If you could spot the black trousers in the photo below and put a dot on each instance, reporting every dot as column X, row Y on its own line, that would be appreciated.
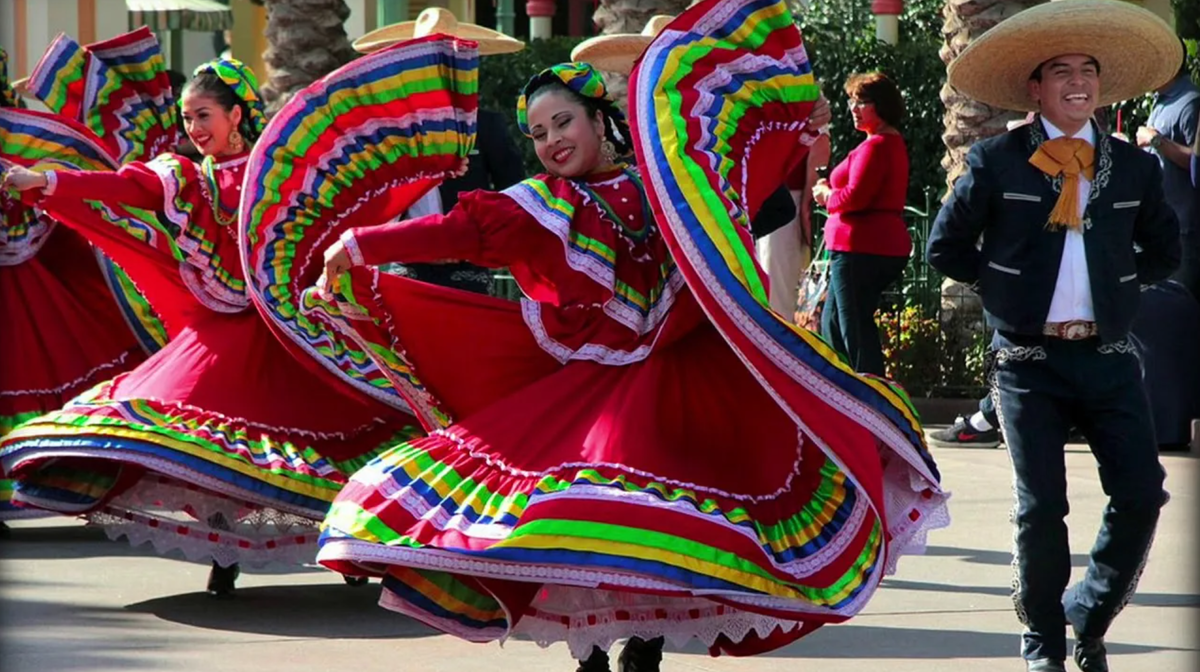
column 856, row 283
column 1188, row 273
column 1043, row 387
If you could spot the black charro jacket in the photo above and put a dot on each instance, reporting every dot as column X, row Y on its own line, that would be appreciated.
column 1131, row 236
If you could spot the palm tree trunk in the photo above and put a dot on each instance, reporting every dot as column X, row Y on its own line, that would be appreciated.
column 967, row 120
column 619, row 17
column 306, row 41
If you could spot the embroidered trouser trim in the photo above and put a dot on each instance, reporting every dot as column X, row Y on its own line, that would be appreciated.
column 1042, row 388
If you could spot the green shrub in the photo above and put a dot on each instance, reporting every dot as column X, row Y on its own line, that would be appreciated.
column 931, row 359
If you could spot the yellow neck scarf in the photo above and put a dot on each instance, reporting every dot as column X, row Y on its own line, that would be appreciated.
column 1070, row 157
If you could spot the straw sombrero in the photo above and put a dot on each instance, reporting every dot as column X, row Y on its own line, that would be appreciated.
column 434, row 21
column 1136, row 50
column 21, row 88
column 617, row 53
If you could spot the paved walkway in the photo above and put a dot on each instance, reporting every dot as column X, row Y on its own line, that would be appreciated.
column 72, row 600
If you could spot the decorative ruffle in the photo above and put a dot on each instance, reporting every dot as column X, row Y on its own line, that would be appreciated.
column 747, row 83
column 275, row 467
column 359, row 315
column 638, row 302
column 22, row 231
column 195, row 234
column 441, row 519
column 118, row 88
column 173, row 516
column 355, row 148
column 553, row 205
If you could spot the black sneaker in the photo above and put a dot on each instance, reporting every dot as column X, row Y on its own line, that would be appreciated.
column 962, row 434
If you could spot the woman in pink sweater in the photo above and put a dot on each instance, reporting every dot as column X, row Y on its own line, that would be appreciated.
column 866, row 237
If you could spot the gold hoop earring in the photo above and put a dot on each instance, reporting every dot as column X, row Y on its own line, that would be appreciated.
column 609, row 151
column 236, row 142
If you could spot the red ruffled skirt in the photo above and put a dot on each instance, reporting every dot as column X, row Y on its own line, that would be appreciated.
column 220, row 445
column 586, row 502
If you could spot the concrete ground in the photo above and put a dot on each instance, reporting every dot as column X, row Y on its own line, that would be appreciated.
column 72, row 600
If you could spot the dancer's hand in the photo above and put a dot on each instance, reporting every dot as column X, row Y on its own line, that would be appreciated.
column 461, row 169
column 337, row 261
column 22, row 179
column 820, row 115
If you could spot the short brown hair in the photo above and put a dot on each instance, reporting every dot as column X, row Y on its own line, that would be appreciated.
column 879, row 90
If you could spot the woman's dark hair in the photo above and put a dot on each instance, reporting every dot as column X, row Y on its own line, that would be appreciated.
column 616, row 130
column 879, row 90
column 209, row 84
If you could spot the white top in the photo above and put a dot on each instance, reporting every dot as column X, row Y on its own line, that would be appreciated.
column 429, row 204
column 1073, row 289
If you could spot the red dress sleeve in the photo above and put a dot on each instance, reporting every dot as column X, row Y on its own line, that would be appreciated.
column 485, row 228
column 134, row 185
column 866, row 170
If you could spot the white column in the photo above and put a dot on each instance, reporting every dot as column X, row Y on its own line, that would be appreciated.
column 541, row 27
column 112, row 19
column 887, row 28
column 356, row 25
column 45, row 20
column 8, row 36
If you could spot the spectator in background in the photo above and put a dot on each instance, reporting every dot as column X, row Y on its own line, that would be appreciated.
column 786, row 251
column 1170, row 133
column 184, row 146
column 865, row 235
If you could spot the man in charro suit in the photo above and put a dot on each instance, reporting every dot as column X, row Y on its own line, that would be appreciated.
column 1073, row 222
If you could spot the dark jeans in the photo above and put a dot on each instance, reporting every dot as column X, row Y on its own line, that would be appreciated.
column 1045, row 387
column 856, row 282
column 987, row 406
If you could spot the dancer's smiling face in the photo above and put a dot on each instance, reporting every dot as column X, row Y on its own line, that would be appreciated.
column 566, row 136
column 208, row 123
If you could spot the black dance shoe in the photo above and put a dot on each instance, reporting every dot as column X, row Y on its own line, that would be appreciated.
column 221, row 580
column 597, row 662
column 640, row 655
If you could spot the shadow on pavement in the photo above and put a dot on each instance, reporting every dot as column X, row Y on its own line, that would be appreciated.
column 1139, row 599
column 37, row 644
column 876, row 642
column 321, row 611
column 80, row 542
column 989, row 557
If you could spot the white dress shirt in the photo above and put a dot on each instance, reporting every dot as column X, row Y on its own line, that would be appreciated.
column 1073, row 289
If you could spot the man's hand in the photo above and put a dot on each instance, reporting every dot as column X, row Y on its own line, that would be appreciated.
column 1146, row 135
column 463, row 164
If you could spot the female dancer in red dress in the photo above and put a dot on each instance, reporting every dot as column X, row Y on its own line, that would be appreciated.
column 642, row 448
column 221, row 445
column 72, row 319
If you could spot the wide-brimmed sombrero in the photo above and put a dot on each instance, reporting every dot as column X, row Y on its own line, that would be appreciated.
column 618, row 53
column 1136, row 50
column 21, row 88
column 434, row 21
